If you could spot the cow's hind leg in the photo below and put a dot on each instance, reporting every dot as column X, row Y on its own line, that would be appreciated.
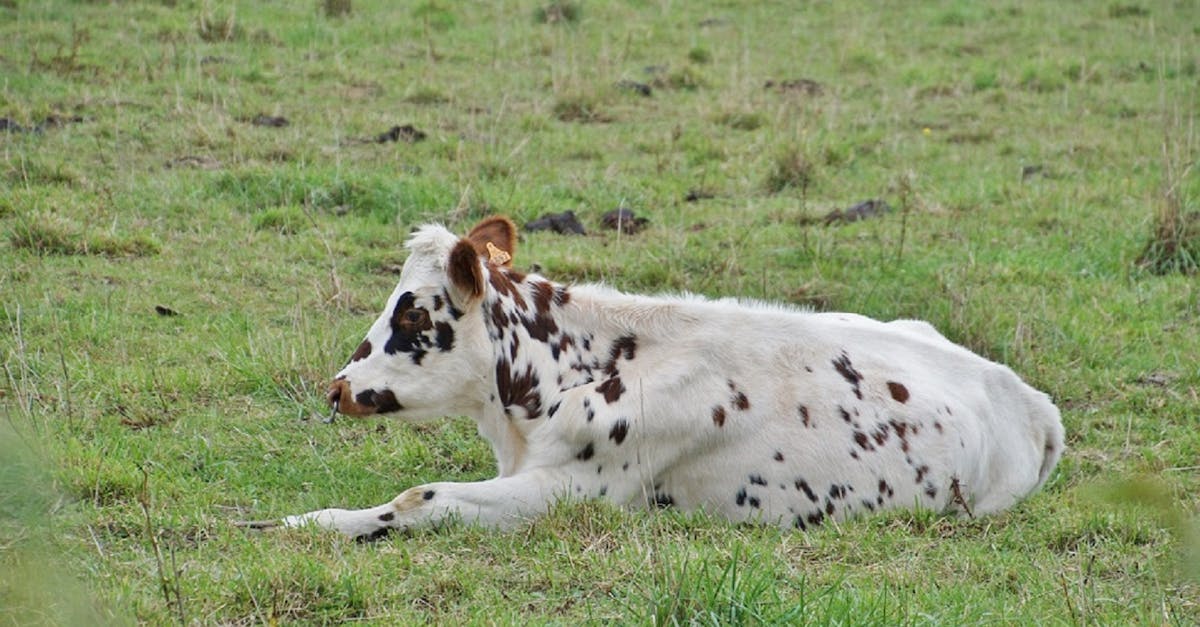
column 500, row 503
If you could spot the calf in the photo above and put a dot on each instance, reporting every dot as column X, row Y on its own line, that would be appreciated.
column 748, row 411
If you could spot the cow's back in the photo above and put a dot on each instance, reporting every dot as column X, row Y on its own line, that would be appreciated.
column 797, row 417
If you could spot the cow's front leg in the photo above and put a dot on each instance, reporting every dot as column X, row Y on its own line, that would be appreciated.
column 500, row 503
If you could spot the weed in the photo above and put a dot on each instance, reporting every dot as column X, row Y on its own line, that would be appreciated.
column 557, row 12
column 216, row 27
column 285, row 220
column 741, row 120
column 47, row 235
column 585, row 108
column 434, row 15
column 791, row 168
column 685, row 78
column 426, row 96
column 1127, row 10
column 699, row 55
column 1174, row 244
column 336, row 8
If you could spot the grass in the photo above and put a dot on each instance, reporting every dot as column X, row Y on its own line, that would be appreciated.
column 1023, row 142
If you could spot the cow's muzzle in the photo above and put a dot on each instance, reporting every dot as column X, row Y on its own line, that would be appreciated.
column 364, row 403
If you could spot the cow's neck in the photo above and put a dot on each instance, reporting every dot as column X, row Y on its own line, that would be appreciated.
column 547, row 339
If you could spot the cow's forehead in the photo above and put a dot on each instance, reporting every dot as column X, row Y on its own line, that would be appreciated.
column 424, row 272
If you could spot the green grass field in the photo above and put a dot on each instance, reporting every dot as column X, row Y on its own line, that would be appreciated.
column 1026, row 148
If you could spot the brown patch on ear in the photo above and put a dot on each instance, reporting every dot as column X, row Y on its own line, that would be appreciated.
column 498, row 231
column 465, row 273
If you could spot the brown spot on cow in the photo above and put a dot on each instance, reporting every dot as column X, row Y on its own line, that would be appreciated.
column 899, row 392
column 361, row 352
column 804, row 416
column 518, row 389
column 880, row 434
column 612, row 389
column 624, row 346
column 718, row 416
column 738, row 398
column 778, row 456
column 499, row 316
column 619, row 429
column 540, row 327
column 543, row 295
column 843, row 366
column 807, row 489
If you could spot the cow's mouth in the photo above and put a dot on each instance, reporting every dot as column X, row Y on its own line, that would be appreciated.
column 364, row 403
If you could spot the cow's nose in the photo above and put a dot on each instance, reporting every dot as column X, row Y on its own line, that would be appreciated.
column 337, row 391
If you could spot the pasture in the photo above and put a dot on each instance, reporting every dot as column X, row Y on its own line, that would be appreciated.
column 202, row 210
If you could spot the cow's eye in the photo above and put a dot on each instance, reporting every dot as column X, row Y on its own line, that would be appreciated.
column 415, row 317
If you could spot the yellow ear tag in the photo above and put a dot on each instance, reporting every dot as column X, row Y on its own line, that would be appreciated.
column 497, row 256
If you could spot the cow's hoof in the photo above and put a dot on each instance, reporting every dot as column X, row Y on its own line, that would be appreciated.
column 378, row 534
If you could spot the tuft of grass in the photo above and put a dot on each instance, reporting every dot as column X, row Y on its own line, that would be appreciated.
column 426, row 96
column 586, row 108
column 1119, row 11
column 558, row 12
column 685, row 78
column 51, row 236
column 1174, row 244
column 791, row 168
column 215, row 27
column 741, row 120
column 700, row 56
column 687, row 591
column 434, row 15
column 336, row 8
column 285, row 220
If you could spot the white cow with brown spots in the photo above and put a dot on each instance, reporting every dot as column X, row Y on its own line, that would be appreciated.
column 747, row 411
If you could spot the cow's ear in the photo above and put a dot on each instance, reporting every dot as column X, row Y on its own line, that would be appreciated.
column 466, row 276
column 495, row 239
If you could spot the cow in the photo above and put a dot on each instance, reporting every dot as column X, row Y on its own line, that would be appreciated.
column 748, row 411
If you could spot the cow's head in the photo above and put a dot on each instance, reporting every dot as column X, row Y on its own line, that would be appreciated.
column 428, row 353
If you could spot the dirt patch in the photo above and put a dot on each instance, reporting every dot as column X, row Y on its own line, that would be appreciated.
column 407, row 134
column 9, row 125
column 623, row 220
column 640, row 89
column 863, row 210
column 801, row 86
column 564, row 223
column 272, row 121
column 199, row 162
column 1030, row 172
